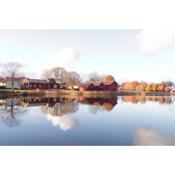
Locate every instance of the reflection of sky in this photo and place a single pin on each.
(147, 136)
(117, 127)
(64, 122)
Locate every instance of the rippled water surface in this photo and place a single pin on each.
(125, 120)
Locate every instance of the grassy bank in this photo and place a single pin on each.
(73, 93)
(143, 93)
(9, 93)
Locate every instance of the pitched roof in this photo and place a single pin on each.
(37, 81)
(41, 81)
(51, 80)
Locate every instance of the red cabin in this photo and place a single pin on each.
(92, 87)
(102, 87)
(34, 84)
(111, 87)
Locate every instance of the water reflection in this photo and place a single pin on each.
(11, 112)
(144, 99)
(147, 136)
(60, 107)
(69, 121)
(99, 104)
(57, 110)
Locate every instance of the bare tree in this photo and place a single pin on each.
(12, 70)
(60, 109)
(73, 78)
(61, 75)
(11, 113)
(47, 74)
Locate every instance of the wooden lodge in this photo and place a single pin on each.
(102, 87)
(108, 84)
(34, 84)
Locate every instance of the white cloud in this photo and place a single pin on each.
(63, 58)
(152, 41)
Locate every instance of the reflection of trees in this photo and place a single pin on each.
(99, 104)
(11, 112)
(143, 99)
(62, 108)
(95, 108)
(58, 114)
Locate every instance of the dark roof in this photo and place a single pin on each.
(51, 80)
(41, 81)
(114, 83)
(38, 81)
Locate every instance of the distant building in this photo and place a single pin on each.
(27, 83)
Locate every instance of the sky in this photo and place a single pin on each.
(129, 55)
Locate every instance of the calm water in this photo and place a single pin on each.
(111, 121)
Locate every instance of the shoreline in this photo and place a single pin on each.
(74, 93)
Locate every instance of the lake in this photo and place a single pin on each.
(126, 120)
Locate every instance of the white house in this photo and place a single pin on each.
(16, 83)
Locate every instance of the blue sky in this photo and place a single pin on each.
(126, 54)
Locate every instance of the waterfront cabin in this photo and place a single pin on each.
(111, 87)
(37, 84)
(102, 87)
(92, 87)
(107, 84)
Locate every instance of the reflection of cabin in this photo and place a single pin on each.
(101, 101)
(43, 101)
(107, 103)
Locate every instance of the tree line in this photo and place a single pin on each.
(61, 75)
(143, 86)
